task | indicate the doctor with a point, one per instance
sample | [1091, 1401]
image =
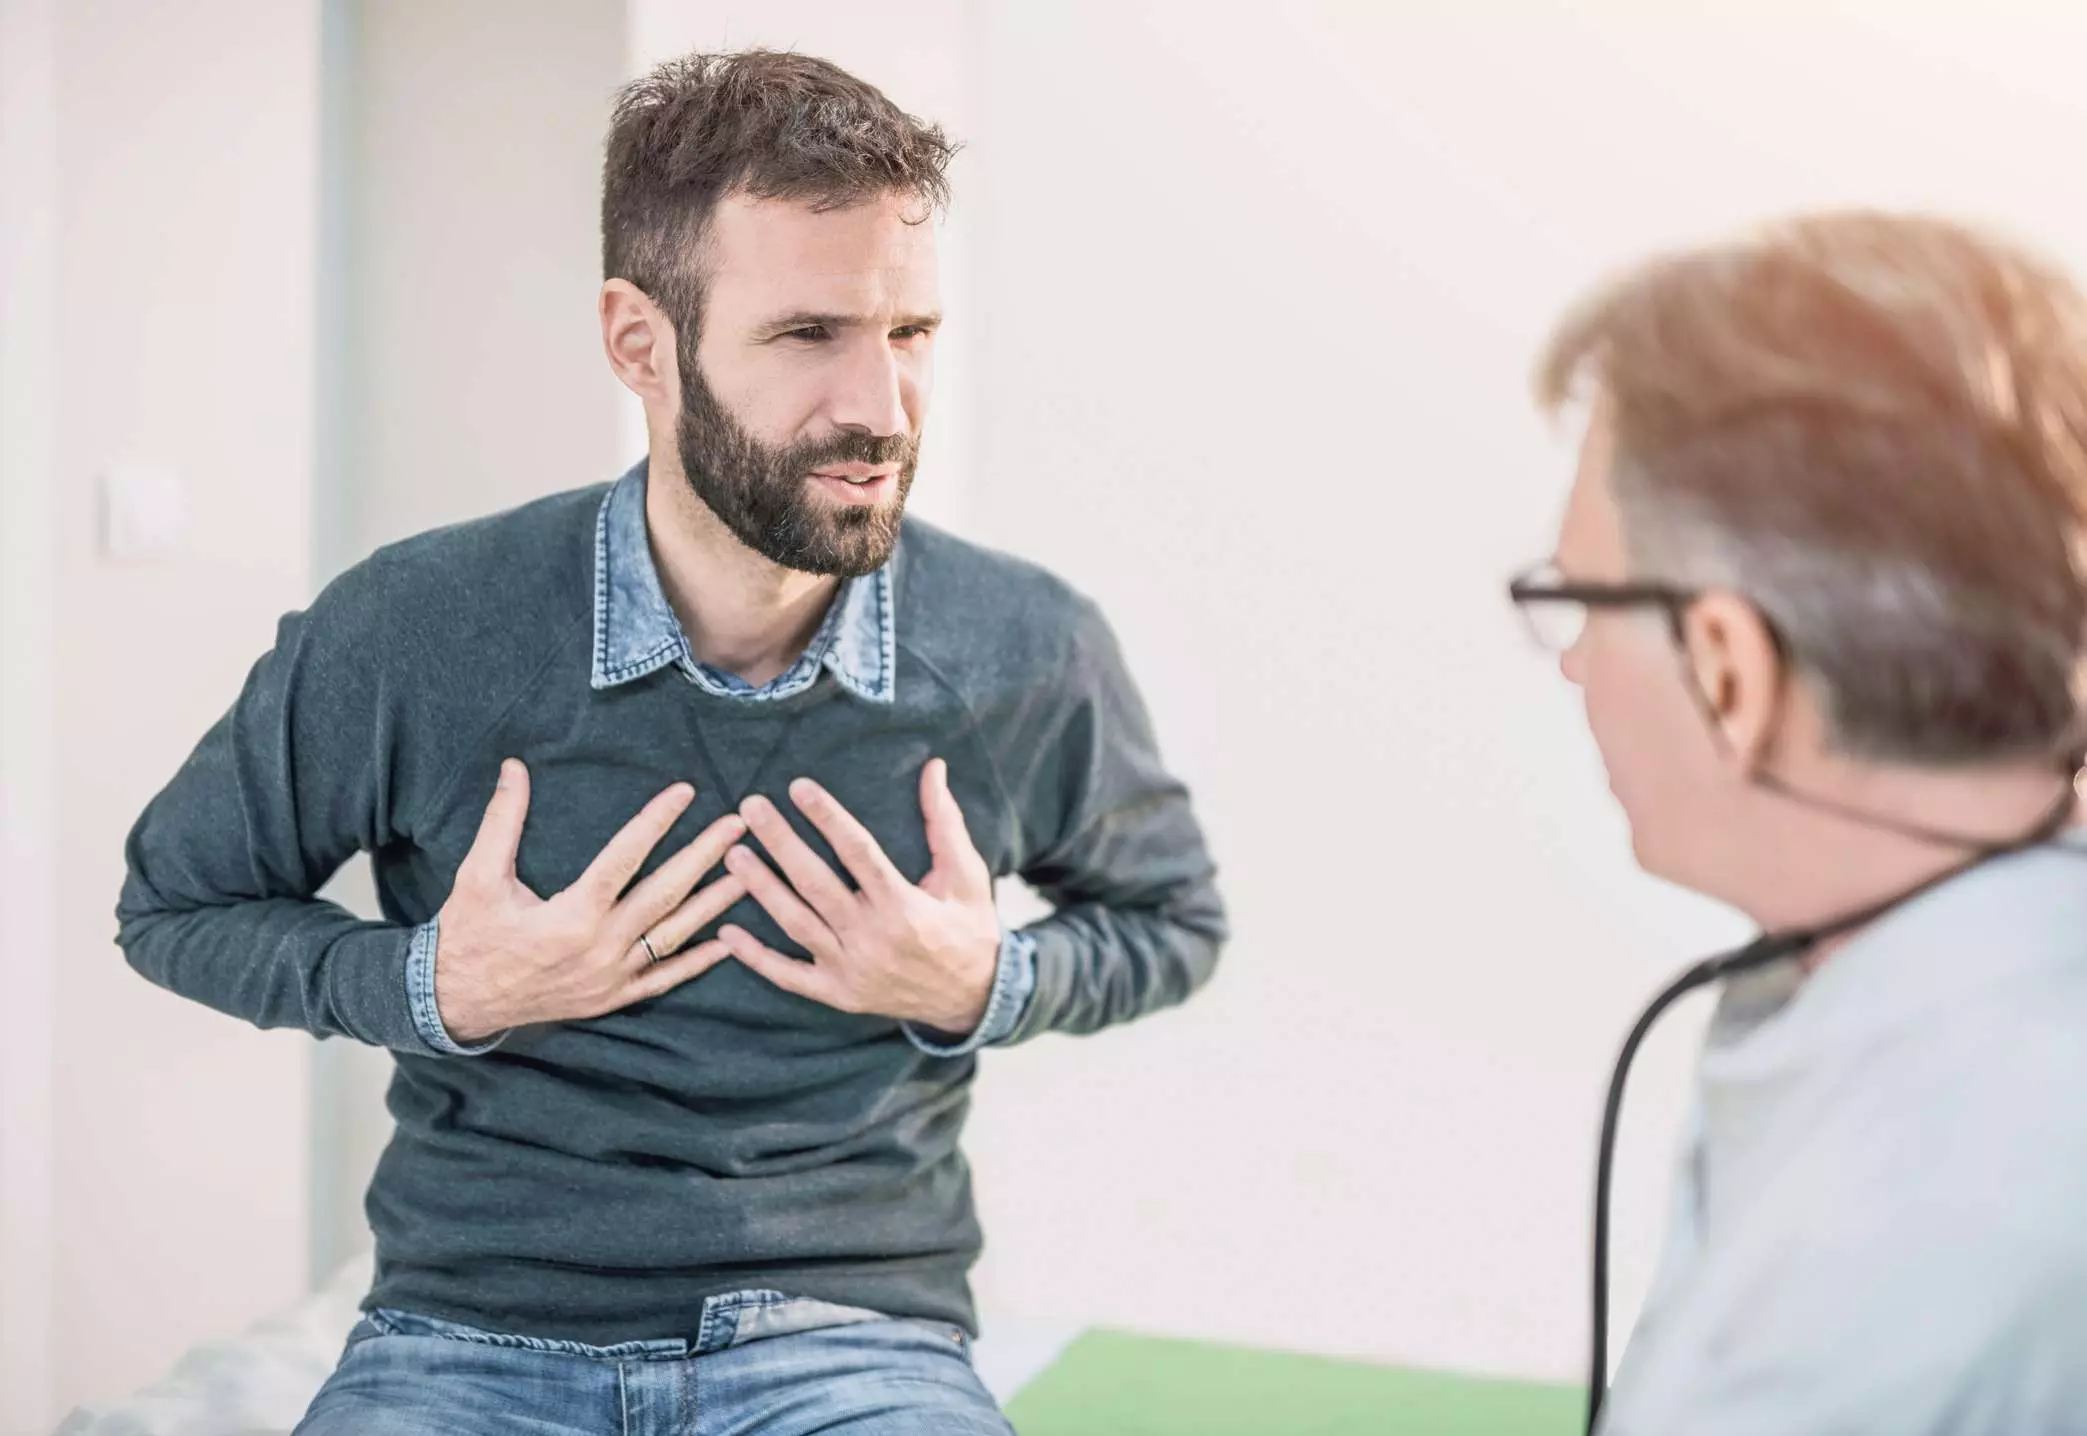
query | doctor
[1820, 585]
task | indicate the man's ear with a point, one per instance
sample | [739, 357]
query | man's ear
[1739, 673]
[640, 342]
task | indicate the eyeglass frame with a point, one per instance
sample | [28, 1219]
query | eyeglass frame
[1526, 589]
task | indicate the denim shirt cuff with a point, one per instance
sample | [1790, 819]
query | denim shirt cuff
[420, 993]
[1013, 981]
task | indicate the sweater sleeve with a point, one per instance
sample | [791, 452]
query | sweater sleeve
[218, 903]
[1138, 923]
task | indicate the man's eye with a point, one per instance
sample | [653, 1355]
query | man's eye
[811, 333]
[910, 331]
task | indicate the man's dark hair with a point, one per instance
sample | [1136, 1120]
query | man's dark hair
[761, 122]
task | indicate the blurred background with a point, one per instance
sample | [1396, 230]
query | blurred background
[1242, 300]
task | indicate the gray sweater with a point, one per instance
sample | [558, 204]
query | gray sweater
[595, 1181]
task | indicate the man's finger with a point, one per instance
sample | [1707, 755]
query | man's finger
[851, 841]
[697, 911]
[790, 912]
[492, 854]
[949, 835]
[669, 973]
[803, 978]
[619, 860]
[641, 909]
[815, 882]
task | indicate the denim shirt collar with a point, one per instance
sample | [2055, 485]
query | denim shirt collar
[636, 632]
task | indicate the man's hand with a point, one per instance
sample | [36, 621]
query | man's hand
[921, 954]
[505, 956]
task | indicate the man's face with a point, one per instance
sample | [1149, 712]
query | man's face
[803, 396]
[1653, 736]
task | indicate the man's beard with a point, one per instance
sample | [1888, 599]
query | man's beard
[764, 495]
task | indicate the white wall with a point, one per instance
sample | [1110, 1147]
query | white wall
[28, 737]
[476, 379]
[1263, 288]
[185, 164]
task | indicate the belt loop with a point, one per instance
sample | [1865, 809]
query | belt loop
[719, 1326]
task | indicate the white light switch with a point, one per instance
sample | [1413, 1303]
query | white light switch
[144, 512]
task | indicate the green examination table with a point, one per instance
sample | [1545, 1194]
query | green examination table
[1111, 1384]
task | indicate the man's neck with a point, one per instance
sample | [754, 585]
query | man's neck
[743, 614]
[1828, 865]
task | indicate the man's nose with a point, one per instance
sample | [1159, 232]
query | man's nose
[870, 397]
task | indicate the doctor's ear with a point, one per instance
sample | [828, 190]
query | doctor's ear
[1740, 672]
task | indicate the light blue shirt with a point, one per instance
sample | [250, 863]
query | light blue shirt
[1880, 1222]
[636, 633]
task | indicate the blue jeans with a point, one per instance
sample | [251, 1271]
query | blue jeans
[407, 1375]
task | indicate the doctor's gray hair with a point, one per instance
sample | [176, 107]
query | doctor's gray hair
[1874, 428]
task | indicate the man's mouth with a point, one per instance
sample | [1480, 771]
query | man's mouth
[857, 483]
